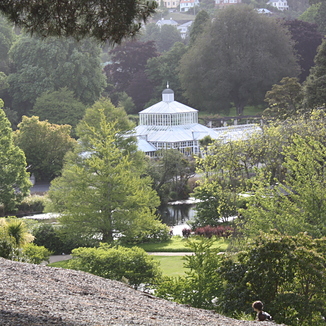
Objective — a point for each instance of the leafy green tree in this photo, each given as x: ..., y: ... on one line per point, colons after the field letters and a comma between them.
x: 170, y: 172
x: 198, y: 26
x: 101, y: 193
x: 298, y: 203
x: 286, y: 272
x: 310, y: 14
x: 320, y: 16
x: 119, y: 263
x: 202, y: 284
x: 14, y: 179
x: 238, y: 58
x: 162, y: 69
x: 216, y: 204
x: 34, y: 254
x: 44, y: 145
x: 307, y: 39
x: 7, y: 38
x: 123, y: 127
x: 48, y: 65
x: 100, y: 19
x: 169, y: 35
x: 59, y: 107
x: 164, y: 37
x: 314, y: 87
x: 284, y: 100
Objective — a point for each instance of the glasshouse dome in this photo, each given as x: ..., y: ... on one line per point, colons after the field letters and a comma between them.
x: 171, y: 124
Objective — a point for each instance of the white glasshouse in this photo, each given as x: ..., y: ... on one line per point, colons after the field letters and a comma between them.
x: 171, y: 124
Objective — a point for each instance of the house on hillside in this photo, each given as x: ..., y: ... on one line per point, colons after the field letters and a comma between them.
x: 171, y: 124
x: 163, y: 21
x: 279, y: 4
x: 224, y: 3
x: 170, y: 4
x: 185, y: 5
x: 184, y: 29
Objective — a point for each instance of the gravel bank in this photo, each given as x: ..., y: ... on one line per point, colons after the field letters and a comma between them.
x: 40, y: 295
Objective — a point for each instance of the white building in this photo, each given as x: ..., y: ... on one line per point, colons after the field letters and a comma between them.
x: 185, y: 5
x: 184, y: 29
x: 171, y: 124
x: 279, y: 4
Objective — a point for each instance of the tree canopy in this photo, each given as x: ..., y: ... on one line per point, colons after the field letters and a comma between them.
x: 48, y: 65
x: 101, y: 19
x: 238, y: 58
x: 314, y: 87
x: 59, y: 107
x: 44, y: 145
x: 101, y: 193
x: 14, y: 178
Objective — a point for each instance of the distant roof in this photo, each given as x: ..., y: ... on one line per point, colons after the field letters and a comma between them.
x: 144, y: 145
x: 166, y: 22
x: 168, y: 107
x: 194, y: 131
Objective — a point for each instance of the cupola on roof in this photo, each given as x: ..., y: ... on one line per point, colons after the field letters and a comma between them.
x: 168, y: 112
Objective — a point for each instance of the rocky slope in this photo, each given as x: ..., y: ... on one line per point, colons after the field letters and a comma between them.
x: 41, y: 295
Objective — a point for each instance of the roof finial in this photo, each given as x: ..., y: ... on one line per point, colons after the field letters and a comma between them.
x: 167, y: 84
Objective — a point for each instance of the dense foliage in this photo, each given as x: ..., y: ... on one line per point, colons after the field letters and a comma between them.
x: 101, y: 19
x: 45, y: 145
x: 102, y: 192
x: 131, y: 265
x: 286, y: 272
x: 238, y: 58
x: 14, y: 179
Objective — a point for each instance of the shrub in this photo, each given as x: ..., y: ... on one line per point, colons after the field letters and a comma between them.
x: 116, y: 263
x: 55, y: 240
x: 157, y: 232
x: 33, y: 204
x: 35, y: 254
x: 218, y: 231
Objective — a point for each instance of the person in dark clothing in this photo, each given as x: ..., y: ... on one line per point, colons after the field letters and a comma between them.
x: 261, y: 315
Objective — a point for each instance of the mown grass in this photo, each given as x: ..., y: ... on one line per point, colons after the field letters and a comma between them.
x: 170, y: 265
x: 178, y: 244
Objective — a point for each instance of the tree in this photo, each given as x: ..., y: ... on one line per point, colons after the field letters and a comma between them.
x: 286, y: 272
x: 297, y: 203
x: 44, y: 145
x: 100, y: 19
x: 59, y: 107
x: 168, y: 36
x: 119, y: 263
x: 314, y: 87
x: 240, y: 56
x: 284, y: 100
x: 307, y: 39
x: 14, y: 179
x: 170, y: 172
x: 164, y: 37
x: 320, y: 16
x: 49, y: 65
x: 198, y: 26
x: 126, y: 72
x: 162, y: 69
x: 202, y: 284
x: 101, y: 193
x: 7, y: 37
x: 128, y: 59
x: 123, y: 127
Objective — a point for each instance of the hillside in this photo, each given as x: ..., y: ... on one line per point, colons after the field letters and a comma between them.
x: 40, y: 295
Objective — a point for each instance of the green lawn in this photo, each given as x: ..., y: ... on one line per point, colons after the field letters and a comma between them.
x: 171, y: 265
x: 177, y: 244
